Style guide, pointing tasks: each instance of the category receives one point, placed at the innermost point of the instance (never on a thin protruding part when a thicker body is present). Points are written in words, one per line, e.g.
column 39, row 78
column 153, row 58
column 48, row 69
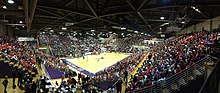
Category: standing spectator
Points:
column 119, row 86
column 14, row 74
column 5, row 83
column 39, row 82
column 28, row 88
column 111, row 90
column 126, row 75
column 33, row 87
column 43, row 83
column 19, row 78
column 74, row 81
column 57, row 83
column 79, row 76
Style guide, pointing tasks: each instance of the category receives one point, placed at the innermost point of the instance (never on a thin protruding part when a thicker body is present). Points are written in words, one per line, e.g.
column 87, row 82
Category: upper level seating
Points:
column 66, row 45
column 126, row 45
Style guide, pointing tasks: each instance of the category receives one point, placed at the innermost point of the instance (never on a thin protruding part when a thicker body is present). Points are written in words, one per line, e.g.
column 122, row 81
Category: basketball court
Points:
column 96, row 63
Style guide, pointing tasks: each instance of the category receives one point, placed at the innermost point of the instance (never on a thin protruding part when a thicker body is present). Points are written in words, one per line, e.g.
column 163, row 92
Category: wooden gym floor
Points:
column 93, row 65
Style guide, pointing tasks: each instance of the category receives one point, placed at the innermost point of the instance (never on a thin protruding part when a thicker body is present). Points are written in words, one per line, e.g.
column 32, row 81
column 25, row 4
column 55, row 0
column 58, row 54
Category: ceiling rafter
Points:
column 142, row 4
column 70, row 2
column 67, row 10
column 139, row 13
column 109, row 12
column 54, row 21
column 90, row 7
column 79, row 13
column 54, row 14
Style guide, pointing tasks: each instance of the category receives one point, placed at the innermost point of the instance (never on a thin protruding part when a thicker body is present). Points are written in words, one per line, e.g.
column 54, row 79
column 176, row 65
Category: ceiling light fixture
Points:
column 162, row 18
column 166, row 23
column 11, row 2
column 20, row 22
column 4, row 7
column 183, row 22
column 64, row 28
column 193, row 7
column 123, row 28
column 196, row 9
column 92, row 30
column 135, row 31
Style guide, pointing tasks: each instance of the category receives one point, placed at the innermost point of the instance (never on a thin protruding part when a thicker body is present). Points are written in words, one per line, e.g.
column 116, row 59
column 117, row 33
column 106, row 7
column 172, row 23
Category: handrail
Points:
column 180, row 77
column 51, row 51
column 139, row 64
column 45, row 71
column 211, row 76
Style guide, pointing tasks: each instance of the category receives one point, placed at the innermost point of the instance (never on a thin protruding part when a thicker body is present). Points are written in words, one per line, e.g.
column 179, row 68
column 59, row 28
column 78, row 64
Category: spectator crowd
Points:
column 170, row 57
column 164, row 60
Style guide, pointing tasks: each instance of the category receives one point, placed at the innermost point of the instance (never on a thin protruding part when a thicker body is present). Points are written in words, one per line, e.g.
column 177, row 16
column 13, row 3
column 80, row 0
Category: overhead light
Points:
column 197, row 10
column 166, row 23
column 114, row 33
column 135, row 31
column 43, row 32
column 142, row 33
column 160, row 28
column 122, row 33
column 20, row 7
column 11, row 2
column 162, row 18
column 183, row 22
column 48, row 28
column 123, row 28
column 23, row 26
column 4, row 7
column 51, row 30
column 145, row 34
column 129, row 30
column 110, row 32
column 92, row 30
column 162, row 35
column 20, row 22
column 193, row 7
column 64, row 28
